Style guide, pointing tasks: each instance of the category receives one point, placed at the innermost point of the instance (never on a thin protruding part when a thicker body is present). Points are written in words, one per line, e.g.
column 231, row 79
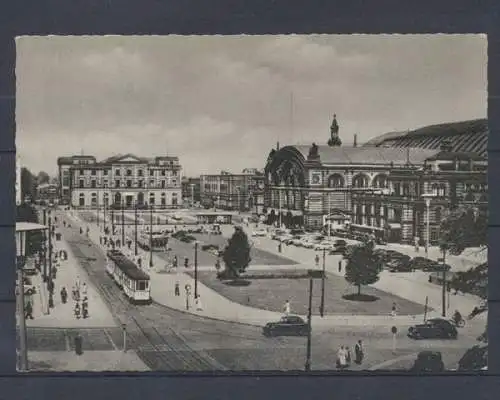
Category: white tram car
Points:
column 133, row 282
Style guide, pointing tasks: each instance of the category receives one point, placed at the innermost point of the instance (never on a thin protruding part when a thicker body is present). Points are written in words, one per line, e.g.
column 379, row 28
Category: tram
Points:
column 132, row 281
column 158, row 239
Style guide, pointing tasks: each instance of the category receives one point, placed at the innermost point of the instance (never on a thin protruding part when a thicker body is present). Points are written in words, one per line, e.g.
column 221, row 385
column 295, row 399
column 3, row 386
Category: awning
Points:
column 394, row 226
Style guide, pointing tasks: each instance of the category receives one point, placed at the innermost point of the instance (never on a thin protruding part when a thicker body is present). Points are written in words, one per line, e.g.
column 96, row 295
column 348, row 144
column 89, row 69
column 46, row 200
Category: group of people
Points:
column 344, row 357
column 79, row 296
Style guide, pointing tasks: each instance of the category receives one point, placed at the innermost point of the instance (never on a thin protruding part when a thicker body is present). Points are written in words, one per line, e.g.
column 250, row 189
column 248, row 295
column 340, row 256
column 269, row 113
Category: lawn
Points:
column 271, row 294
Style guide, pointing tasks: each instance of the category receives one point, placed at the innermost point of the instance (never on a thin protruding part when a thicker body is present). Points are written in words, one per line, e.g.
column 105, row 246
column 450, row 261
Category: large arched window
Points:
column 140, row 198
column 380, row 181
column 163, row 199
column 152, row 199
column 335, row 181
column 81, row 200
column 360, row 181
column 93, row 199
column 118, row 198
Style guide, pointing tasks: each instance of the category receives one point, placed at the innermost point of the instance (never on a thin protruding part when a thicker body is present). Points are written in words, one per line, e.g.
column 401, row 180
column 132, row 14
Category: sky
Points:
column 222, row 103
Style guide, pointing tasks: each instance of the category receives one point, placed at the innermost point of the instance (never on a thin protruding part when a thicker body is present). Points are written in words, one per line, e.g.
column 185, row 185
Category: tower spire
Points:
column 334, row 133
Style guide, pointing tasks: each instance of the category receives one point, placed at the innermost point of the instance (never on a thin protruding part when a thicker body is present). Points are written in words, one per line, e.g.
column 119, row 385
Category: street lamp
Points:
column 312, row 275
column 22, row 228
column 196, row 269
column 192, row 194
column 427, row 198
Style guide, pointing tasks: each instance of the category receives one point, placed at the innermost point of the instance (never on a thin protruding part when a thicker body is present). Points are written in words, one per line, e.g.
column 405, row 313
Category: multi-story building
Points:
column 312, row 185
column 19, row 194
column 228, row 191
column 191, row 189
column 120, row 180
column 418, row 198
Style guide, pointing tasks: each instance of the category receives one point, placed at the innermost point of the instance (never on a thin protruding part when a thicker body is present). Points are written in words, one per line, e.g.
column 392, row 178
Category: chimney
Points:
column 277, row 145
column 355, row 143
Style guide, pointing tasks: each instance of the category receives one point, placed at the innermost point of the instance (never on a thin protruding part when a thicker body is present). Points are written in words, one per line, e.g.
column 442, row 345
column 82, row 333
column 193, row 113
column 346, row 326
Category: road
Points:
column 170, row 340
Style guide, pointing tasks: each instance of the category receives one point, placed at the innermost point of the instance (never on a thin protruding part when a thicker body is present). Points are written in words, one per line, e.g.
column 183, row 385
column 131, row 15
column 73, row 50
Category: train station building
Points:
column 386, row 187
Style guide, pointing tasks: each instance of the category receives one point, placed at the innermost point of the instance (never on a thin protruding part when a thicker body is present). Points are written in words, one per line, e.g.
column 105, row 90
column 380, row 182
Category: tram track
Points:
column 140, row 332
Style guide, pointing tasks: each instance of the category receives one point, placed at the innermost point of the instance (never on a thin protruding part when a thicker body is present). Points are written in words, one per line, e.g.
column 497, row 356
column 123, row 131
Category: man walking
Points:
column 359, row 352
column 177, row 291
column 316, row 260
column 286, row 308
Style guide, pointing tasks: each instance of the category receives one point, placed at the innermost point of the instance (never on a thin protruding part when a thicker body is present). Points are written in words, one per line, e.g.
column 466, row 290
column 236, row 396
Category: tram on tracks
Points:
column 132, row 281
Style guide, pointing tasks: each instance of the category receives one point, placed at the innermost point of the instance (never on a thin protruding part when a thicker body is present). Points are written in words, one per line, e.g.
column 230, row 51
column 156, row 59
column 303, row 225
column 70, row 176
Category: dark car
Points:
column 290, row 325
column 399, row 263
column 421, row 263
column 474, row 359
column 435, row 328
column 428, row 361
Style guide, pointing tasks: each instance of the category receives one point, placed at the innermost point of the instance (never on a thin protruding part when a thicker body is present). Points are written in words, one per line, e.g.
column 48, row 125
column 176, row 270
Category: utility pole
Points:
column 309, row 311
column 322, row 306
column 45, row 246
column 195, row 269
column 135, row 230
column 123, row 222
column 150, row 235
column 443, row 313
column 50, row 282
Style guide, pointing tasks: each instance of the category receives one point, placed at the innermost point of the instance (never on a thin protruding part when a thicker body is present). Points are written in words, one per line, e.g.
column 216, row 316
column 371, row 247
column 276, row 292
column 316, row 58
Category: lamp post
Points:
column 123, row 222
column 44, row 246
column 192, row 194
column 151, row 235
column 443, row 292
column 196, row 269
column 322, row 306
column 312, row 275
column 135, row 230
column 22, row 228
column 427, row 198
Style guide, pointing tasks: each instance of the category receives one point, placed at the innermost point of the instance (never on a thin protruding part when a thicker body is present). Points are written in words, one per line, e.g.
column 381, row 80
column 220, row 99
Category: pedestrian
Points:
column 316, row 260
column 340, row 266
column 416, row 242
column 341, row 358
column 77, row 310
column 359, row 352
column 394, row 309
column 77, row 282
column 84, row 289
column 87, row 232
column 28, row 310
column 129, row 244
column 177, row 291
column 286, row 308
column 73, row 293
column 186, row 262
column 176, row 262
column 197, row 302
column 100, row 240
column 348, row 355
column 85, row 308
column 64, row 295
column 118, row 243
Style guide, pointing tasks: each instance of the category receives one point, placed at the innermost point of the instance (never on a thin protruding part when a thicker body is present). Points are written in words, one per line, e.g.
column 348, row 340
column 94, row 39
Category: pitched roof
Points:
column 367, row 155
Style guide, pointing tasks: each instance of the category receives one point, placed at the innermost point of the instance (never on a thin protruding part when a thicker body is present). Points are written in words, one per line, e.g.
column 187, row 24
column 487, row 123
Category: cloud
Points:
column 222, row 102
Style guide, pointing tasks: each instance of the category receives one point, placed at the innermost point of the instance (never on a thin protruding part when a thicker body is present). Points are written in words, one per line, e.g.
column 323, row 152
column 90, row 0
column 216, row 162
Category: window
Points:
column 162, row 172
column 117, row 172
column 81, row 200
column 93, row 183
column 174, row 181
column 163, row 184
column 152, row 199
column 129, row 172
column 151, row 172
column 141, row 285
column 81, row 172
column 151, row 183
column 163, row 199
column 129, row 183
column 335, row 181
column 105, row 172
column 105, row 183
column 140, row 172
column 174, row 199
column 81, row 183
column 93, row 172
column 174, row 173
column 117, row 183
column 93, row 199
column 140, row 183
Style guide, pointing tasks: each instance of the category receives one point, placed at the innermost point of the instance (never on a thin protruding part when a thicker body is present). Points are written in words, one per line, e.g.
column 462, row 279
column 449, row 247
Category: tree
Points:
column 363, row 265
column 42, row 177
column 236, row 254
column 463, row 228
column 28, row 183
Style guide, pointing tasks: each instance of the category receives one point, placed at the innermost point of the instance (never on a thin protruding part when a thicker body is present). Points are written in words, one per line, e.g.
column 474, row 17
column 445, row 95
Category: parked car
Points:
column 291, row 325
column 259, row 233
column 421, row 263
column 436, row 328
column 428, row 361
column 474, row 359
column 436, row 267
column 399, row 264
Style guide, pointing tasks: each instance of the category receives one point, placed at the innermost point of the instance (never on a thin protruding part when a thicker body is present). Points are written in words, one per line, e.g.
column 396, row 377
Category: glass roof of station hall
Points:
column 366, row 155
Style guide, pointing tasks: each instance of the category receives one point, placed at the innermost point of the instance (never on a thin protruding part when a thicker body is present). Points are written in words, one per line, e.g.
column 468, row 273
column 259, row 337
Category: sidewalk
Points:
column 216, row 306
column 62, row 315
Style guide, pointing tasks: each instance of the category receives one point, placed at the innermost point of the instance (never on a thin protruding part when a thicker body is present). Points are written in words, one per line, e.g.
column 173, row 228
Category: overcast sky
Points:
column 223, row 102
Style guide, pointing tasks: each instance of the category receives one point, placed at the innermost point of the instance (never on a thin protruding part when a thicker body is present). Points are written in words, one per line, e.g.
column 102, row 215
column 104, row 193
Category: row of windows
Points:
column 128, row 183
column 118, row 199
column 128, row 172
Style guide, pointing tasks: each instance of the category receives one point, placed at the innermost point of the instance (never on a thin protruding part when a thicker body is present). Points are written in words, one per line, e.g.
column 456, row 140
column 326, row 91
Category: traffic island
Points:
column 270, row 293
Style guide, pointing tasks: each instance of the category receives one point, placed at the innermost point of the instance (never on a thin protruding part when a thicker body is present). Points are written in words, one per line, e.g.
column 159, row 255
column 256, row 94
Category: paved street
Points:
column 167, row 339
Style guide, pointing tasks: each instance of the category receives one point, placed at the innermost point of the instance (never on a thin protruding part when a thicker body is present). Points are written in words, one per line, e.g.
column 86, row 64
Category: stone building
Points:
column 125, row 180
